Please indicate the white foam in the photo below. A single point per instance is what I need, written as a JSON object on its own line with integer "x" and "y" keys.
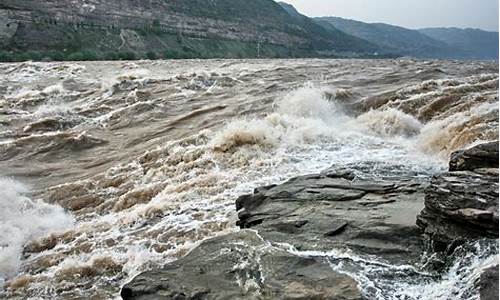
{"x": 390, "y": 122}
{"x": 22, "y": 220}
{"x": 53, "y": 109}
{"x": 301, "y": 116}
{"x": 307, "y": 102}
{"x": 54, "y": 89}
{"x": 22, "y": 94}
{"x": 384, "y": 281}
{"x": 308, "y": 124}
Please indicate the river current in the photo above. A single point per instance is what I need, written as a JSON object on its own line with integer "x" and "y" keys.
{"x": 108, "y": 169}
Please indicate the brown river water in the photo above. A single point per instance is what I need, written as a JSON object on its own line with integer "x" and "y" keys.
{"x": 108, "y": 169}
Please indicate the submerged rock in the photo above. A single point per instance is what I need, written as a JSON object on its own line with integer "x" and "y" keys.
{"x": 462, "y": 204}
{"x": 242, "y": 266}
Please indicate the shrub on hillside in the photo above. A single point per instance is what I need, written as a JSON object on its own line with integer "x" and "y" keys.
{"x": 151, "y": 55}
{"x": 82, "y": 56}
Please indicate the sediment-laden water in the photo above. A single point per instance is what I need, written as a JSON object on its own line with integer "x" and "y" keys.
{"x": 112, "y": 168}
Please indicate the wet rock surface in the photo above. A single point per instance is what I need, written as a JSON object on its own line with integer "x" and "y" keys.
{"x": 242, "y": 266}
{"x": 320, "y": 212}
{"x": 481, "y": 156}
{"x": 488, "y": 284}
{"x": 462, "y": 204}
{"x": 335, "y": 210}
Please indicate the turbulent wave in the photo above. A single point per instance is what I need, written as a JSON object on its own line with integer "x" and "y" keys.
{"x": 301, "y": 117}
{"x": 460, "y": 130}
{"x": 307, "y": 115}
{"x": 150, "y": 162}
{"x": 23, "y": 220}
{"x": 390, "y": 122}
{"x": 382, "y": 281}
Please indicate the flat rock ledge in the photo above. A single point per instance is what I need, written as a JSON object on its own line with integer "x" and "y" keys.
{"x": 477, "y": 157}
{"x": 336, "y": 210}
{"x": 242, "y": 266}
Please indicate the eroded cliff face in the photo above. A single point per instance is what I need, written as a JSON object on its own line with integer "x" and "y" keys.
{"x": 234, "y": 28}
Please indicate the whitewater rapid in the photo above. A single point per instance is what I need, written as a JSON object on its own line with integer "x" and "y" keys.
{"x": 132, "y": 164}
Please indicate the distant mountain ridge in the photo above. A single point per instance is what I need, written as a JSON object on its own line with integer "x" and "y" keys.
{"x": 348, "y": 43}
{"x": 425, "y": 43}
{"x": 478, "y": 43}
{"x": 130, "y": 29}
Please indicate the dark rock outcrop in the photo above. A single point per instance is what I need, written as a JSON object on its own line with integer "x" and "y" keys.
{"x": 242, "y": 266}
{"x": 335, "y": 210}
{"x": 326, "y": 211}
{"x": 482, "y": 156}
{"x": 488, "y": 284}
{"x": 462, "y": 204}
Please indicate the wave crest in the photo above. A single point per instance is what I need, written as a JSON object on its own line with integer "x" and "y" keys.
{"x": 390, "y": 122}
{"x": 302, "y": 116}
{"x": 460, "y": 130}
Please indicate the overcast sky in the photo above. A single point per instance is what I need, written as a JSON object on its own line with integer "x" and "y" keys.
{"x": 408, "y": 13}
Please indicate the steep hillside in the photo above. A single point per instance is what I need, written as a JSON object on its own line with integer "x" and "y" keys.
{"x": 168, "y": 28}
{"x": 394, "y": 38}
{"x": 346, "y": 43}
{"x": 479, "y": 44}
{"x": 291, "y": 10}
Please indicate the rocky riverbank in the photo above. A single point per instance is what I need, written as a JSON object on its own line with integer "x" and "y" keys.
{"x": 462, "y": 204}
{"x": 284, "y": 250}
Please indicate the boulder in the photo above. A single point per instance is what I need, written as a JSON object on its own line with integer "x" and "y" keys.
{"x": 242, "y": 266}
{"x": 462, "y": 204}
{"x": 488, "y": 284}
{"x": 481, "y": 156}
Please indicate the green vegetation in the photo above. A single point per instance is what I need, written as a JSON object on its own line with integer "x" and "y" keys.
{"x": 164, "y": 46}
{"x": 6, "y": 56}
{"x": 54, "y": 55}
{"x": 82, "y": 55}
{"x": 46, "y": 38}
{"x": 151, "y": 55}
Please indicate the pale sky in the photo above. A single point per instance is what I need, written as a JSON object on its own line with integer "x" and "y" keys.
{"x": 481, "y": 14}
